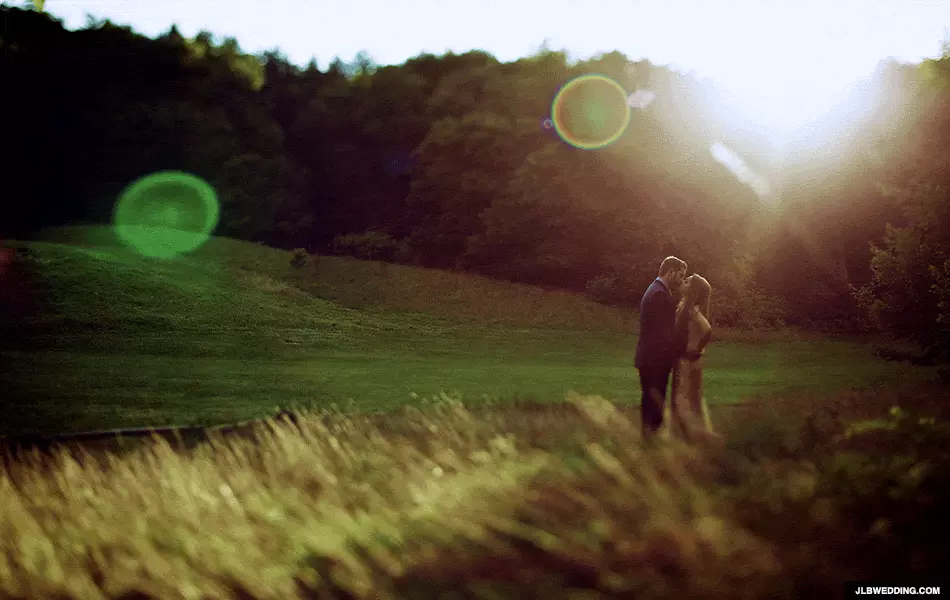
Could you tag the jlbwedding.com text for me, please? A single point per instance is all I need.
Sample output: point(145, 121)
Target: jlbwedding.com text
point(871, 590)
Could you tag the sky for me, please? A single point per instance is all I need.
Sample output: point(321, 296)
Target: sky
point(772, 56)
point(703, 35)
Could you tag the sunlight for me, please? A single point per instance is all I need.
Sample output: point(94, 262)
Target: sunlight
point(783, 66)
point(789, 101)
point(786, 102)
point(742, 172)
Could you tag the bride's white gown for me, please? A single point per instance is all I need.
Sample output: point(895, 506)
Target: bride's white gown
point(687, 408)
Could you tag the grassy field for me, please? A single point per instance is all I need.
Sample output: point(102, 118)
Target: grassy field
point(525, 479)
point(103, 338)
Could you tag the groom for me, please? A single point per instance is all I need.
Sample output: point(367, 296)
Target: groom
point(656, 344)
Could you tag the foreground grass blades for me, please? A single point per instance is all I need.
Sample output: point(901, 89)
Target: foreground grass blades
point(555, 501)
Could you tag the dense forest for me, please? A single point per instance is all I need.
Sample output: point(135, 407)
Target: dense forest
point(444, 161)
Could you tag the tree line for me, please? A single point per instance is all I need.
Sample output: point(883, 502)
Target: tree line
point(443, 161)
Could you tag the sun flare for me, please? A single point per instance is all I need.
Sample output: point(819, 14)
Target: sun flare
point(781, 65)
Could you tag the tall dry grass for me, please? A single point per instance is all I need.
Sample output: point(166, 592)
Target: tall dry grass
point(522, 501)
point(327, 505)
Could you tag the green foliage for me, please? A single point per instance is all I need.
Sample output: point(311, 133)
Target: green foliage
point(896, 490)
point(463, 164)
point(849, 468)
point(446, 152)
point(603, 289)
point(747, 307)
point(257, 196)
point(562, 216)
point(941, 289)
point(909, 293)
point(201, 51)
point(806, 281)
point(371, 245)
point(936, 73)
point(150, 105)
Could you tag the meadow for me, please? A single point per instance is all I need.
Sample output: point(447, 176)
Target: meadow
point(452, 437)
point(109, 339)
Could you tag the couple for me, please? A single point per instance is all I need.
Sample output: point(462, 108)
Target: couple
point(672, 339)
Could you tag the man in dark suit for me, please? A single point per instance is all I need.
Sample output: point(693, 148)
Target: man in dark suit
point(656, 352)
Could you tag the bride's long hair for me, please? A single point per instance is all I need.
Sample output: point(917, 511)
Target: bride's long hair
point(698, 294)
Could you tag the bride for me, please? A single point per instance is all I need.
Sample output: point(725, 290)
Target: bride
point(693, 332)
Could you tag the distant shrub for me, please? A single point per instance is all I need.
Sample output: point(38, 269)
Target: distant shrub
point(619, 288)
point(603, 289)
point(736, 303)
point(300, 258)
point(748, 308)
point(908, 296)
point(372, 245)
point(902, 352)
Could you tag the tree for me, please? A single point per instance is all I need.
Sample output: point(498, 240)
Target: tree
point(564, 216)
point(361, 67)
point(448, 151)
point(909, 296)
point(136, 106)
point(462, 165)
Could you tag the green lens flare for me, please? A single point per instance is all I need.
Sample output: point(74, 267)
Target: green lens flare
point(590, 111)
point(166, 214)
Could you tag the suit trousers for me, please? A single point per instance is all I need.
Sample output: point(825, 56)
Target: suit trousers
point(653, 384)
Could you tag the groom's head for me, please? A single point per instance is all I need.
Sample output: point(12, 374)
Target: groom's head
point(672, 271)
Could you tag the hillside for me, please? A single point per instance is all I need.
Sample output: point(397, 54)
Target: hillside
point(93, 336)
point(93, 281)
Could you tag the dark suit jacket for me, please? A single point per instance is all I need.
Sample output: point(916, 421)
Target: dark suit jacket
point(656, 344)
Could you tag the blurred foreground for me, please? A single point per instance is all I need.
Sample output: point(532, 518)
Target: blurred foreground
point(529, 501)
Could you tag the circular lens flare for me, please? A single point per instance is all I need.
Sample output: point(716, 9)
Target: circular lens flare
point(590, 111)
point(166, 214)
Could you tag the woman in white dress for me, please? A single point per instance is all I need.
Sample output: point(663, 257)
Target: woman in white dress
point(693, 332)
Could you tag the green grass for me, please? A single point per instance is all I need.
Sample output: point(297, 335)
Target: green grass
point(232, 332)
point(351, 283)
point(485, 498)
point(75, 391)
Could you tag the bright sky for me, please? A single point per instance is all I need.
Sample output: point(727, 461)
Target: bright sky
point(694, 34)
point(802, 51)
